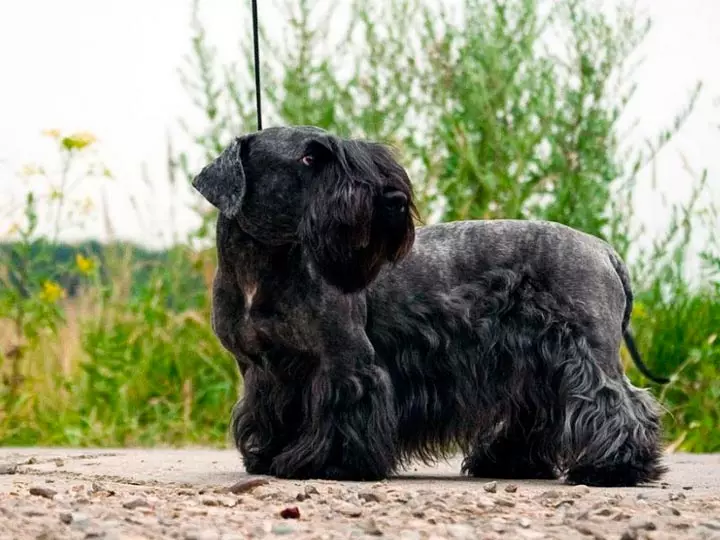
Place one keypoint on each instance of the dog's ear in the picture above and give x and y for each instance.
(222, 181)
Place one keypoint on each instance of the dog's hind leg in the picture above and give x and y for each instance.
(517, 449)
(611, 431)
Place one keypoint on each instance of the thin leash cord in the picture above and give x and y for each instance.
(256, 39)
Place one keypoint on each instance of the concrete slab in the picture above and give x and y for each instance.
(202, 467)
(115, 494)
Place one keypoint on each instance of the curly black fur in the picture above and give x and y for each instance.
(366, 343)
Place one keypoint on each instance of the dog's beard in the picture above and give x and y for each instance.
(349, 236)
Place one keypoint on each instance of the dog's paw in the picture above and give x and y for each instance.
(615, 474)
(257, 466)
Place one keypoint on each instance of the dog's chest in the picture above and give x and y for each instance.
(268, 321)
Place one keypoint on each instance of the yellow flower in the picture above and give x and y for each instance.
(51, 292)
(78, 141)
(84, 265)
(87, 206)
(639, 310)
(53, 133)
(31, 170)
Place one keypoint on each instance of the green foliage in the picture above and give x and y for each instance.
(493, 122)
(493, 117)
(107, 344)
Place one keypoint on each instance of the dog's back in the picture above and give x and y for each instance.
(580, 268)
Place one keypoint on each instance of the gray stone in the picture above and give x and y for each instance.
(8, 468)
(460, 531)
(44, 492)
(205, 534)
(282, 529)
(372, 496)
(135, 503)
(490, 487)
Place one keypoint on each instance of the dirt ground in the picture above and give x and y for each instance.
(200, 494)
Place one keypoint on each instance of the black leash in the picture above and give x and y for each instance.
(256, 40)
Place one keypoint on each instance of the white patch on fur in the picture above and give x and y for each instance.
(249, 297)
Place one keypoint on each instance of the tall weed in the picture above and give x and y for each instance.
(112, 345)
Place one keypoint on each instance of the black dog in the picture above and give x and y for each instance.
(365, 343)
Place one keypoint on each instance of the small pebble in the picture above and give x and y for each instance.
(511, 488)
(676, 496)
(282, 529)
(370, 527)
(482, 502)
(581, 489)
(460, 531)
(47, 493)
(245, 486)
(135, 503)
(642, 522)
(712, 525)
(530, 535)
(550, 494)
(292, 512)
(372, 496)
(207, 534)
(587, 530)
(350, 510)
(490, 487)
(311, 490)
(79, 520)
(507, 503)
(8, 468)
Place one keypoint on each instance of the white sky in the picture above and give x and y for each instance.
(110, 67)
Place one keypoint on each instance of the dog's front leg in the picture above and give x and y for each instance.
(349, 425)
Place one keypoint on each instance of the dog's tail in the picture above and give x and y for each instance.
(635, 355)
(624, 276)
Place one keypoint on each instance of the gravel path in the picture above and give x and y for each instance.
(200, 494)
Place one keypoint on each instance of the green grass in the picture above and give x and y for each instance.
(112, 346)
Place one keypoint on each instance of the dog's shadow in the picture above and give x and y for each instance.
(465, 479)
(411, 480)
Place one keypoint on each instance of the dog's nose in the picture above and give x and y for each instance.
(394, 199)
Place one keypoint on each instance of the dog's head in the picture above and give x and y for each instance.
(348, 202)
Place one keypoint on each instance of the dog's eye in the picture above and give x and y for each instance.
(307, 160)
